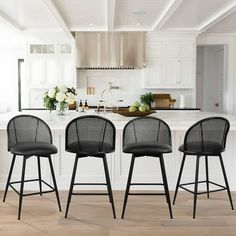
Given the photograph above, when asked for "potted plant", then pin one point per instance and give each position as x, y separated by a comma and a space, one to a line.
147, 99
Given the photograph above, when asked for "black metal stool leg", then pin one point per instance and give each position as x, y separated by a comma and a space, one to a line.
226, 181
54, 182
196, 186
128, 185
71, 186
179, 177
207, 175
22, 186
165, 182
109, 186
9, 177
39, 173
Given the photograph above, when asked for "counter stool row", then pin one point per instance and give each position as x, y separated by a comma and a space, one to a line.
94, 136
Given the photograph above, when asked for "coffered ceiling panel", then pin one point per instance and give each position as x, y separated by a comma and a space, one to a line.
227, 25
138, 13
28, 14
83, 14
194, 13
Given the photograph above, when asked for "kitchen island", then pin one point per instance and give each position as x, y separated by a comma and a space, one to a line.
146, 168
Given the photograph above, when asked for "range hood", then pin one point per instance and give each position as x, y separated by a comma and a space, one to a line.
111, 50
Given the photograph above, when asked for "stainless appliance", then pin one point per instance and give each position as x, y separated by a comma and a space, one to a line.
111, 50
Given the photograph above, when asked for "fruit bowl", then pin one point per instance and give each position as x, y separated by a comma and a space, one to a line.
126, 112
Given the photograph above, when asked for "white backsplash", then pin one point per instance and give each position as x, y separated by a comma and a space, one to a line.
130, 84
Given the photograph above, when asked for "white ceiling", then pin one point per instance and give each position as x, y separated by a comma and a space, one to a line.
214, 16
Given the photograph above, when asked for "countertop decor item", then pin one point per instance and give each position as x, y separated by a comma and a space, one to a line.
59, 98
164, 100
126, 112
147, 99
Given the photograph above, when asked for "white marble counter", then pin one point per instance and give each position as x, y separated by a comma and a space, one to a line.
177, 120
146, 169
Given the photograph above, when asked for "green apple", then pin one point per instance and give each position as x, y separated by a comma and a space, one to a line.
132, 109
147, 107
136, 104
142, 108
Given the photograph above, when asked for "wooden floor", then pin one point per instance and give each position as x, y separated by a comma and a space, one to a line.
92, 216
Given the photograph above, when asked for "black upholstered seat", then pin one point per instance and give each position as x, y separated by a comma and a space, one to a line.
147, 148
32, 148
195, 148
206, 137
90, 148
90, 136
30, 136
147, 136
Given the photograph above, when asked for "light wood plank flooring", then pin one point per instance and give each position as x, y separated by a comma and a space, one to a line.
92, 216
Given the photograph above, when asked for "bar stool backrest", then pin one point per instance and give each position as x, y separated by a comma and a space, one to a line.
27, 128
146, 129
212, 130
93, 129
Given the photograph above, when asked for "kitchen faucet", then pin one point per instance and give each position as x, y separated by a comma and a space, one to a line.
102, 102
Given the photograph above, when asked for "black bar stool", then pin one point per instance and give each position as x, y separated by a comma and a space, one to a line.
90, 136
206, 138
147, 136
30, 136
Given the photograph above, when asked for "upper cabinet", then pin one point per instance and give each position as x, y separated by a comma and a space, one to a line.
50, 65
170, 64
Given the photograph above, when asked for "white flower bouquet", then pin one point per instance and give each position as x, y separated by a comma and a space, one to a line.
60, 96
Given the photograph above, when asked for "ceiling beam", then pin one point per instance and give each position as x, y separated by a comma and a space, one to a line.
220, 15
56, 14
111, 7
10, 23
166, 14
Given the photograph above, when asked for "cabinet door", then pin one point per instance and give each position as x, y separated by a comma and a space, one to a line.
67, 71
154, 49
36, 72
186, 50
52, 71
178, 49
154, 72
172, 72
186, 73
173, 49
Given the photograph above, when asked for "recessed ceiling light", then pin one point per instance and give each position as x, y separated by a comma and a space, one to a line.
139, 13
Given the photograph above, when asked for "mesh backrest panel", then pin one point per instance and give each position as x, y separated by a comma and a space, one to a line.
94, 129
26, 128
147, 129
212, 130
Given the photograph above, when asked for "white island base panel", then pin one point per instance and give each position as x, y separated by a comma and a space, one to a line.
146, 169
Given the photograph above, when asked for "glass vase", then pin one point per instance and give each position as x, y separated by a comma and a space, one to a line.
62, 108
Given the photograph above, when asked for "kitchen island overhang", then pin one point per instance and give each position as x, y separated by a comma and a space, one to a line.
90, 169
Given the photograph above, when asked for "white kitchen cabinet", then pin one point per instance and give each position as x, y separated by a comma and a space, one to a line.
67, 66
155, 72
43, 71
179, 73
36, 72
154, 49
49, 66
170, 65
51, 71
177, 49
169, 73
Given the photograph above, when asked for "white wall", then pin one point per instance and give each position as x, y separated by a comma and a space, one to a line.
229, 40
11, 48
